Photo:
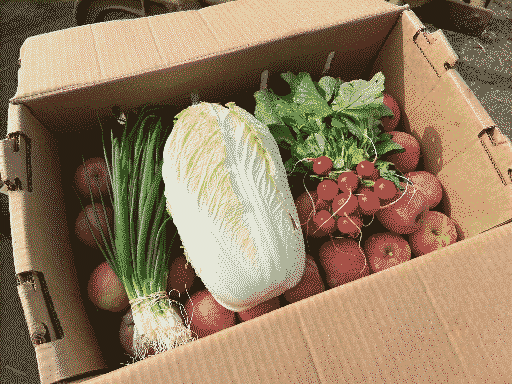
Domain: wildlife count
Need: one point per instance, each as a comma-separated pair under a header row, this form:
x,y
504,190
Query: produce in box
x,y
229,176
137,249
224,179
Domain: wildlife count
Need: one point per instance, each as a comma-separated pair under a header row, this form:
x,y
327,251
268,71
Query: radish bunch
x,y
340,204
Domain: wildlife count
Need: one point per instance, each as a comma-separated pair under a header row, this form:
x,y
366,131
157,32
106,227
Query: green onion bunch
x,y
138,250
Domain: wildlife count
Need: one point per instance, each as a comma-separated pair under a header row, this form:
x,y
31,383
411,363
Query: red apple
x,y
436,231
429,184
181,276
260,309
206,315
405,161
343,261
390,123
403,216
93,217
385,250
310,284
92,173
106,291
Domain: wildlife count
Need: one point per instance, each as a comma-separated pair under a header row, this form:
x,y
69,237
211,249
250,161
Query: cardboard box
x,y
440,318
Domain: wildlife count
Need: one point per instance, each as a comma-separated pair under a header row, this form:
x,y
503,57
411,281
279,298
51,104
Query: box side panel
x,y
473,167
447,119
474,194
438,318
43,262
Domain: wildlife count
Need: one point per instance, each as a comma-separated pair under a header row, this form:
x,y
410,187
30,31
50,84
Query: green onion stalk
x,y
138,251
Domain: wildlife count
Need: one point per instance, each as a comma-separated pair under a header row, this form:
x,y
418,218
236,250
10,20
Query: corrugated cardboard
x,y
440,318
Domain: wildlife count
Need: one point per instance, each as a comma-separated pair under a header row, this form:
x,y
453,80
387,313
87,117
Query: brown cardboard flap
x,y
437,50
439,318
43,260
177,53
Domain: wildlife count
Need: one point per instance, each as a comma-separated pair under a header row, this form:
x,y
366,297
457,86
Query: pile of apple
x,y
338,210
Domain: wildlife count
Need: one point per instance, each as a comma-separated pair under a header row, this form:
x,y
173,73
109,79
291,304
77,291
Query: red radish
x,y
343,261
384,189
322,165
310,284
312,229
398,194
181,276
365,169
405,161
304,204
324,220
327,190
429,184
105,289
350,226
385,250
369,202
348,181
92,173
206,315
390,123
93,217
260,309
375,175
344,204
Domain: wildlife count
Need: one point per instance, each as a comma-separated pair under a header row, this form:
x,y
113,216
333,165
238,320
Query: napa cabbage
x,y
227,191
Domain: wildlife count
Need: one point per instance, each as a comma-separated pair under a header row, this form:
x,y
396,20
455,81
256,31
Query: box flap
x,y
180,51
440,318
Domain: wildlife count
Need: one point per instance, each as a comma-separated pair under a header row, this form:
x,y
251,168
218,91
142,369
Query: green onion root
x,y
158,326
